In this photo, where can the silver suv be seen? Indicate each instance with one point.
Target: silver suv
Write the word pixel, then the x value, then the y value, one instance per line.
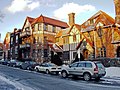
pixel 85 69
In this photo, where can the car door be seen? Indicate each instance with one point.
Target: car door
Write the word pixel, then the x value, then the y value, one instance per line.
pixel 42 67
pixel 72 68
pixel 80 69
pixel 88 67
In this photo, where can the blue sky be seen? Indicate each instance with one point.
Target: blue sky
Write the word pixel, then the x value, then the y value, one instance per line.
pixel 15 11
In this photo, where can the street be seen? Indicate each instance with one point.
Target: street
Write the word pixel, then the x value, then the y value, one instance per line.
pixel 17 79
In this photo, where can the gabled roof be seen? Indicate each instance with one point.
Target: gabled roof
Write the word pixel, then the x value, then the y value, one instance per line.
pixel 106 16
pixel 30 20
pixel 47 20
pixel 67 31
pixel 76 25
pixel 55 47
pixel 100 16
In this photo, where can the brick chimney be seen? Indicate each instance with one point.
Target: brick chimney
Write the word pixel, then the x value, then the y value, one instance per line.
pixel 117 10
pixel 71 19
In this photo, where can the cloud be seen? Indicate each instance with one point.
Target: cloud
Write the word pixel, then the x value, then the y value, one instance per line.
pixel 62 13
pixel 23 5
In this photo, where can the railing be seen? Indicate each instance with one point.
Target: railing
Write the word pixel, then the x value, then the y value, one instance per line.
pixel 25 34
pixel 26 45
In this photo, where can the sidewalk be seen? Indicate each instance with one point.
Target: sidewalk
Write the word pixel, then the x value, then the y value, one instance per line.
pixel 113 72
pixel 112 75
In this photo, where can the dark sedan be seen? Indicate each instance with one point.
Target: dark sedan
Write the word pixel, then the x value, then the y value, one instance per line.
pixel 3 62
pixel 29 65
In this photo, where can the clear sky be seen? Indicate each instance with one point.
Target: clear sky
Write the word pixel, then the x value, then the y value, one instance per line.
pixel 16 11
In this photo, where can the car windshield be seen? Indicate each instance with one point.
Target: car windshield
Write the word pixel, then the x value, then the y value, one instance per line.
pixel 99 65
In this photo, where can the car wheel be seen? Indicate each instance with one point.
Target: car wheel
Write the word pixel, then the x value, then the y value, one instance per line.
pixel 47 71
pixel 28 68
pixel 13 65
pixel 36 70
pixel 64 74
pixel 87 76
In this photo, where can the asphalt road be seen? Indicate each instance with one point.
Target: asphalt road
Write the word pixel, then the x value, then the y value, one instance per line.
pixel 17 79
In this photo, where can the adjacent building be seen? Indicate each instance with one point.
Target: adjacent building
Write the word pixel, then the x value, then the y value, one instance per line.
pixel 6 47
pixel 15 41
pixel 116 30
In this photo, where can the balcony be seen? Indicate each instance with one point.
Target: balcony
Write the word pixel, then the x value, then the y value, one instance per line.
pixel 26 45
pixel 25 34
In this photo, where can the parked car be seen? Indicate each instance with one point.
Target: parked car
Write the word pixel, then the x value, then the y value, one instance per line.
pixel 18 64
pixel 48 68
pixel 29 65
pixel 3 62
pixel 12 63
pixel 85 69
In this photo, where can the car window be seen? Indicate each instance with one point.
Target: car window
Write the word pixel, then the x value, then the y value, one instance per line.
pixel 44 65
pixel 50 65
pixel 74 65
pixel 88 65
pixel 99 65
pixel 81 65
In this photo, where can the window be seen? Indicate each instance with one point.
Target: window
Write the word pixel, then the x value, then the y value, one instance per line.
pixel 91 21
pixel 36 27
pixel 66 55
pixel 45 53
pixel 16 50
pixel 88 65
pixel 74 54
pixel 53 29
pixel 74 65
pixel 81 65
pixel 16 38
pixel 45 27
pixel 39 26
pixel 11 40
pixel 66 40
pixel 57 39
pixel 27 29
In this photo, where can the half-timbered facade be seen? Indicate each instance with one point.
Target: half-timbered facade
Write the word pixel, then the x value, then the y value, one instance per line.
pixel 97 33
